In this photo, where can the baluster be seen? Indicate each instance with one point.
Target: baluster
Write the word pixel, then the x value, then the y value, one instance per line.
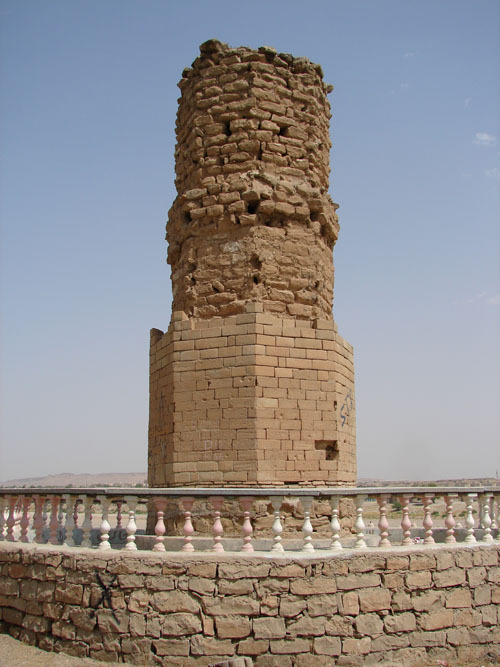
pixel 160 504
pixel 60 522
pixel 3 505
pixel 87 521
pixel 405 520
pixel 307 529
pixel 38 520
pixel 383 524
pixel 469 519
pixel 11 519
pixel 119 504
pixel 71 512
pixel 246 504
pixel 187 505
pixel 131 525
pixel 496 514
pixel 217 527
pixel 276 502
pixel 427 501
pixel 335 523
pixel 25 519
pixel 54 519
pixel 449 522
pixel 105 527
pixel 485 517
pixel 359 524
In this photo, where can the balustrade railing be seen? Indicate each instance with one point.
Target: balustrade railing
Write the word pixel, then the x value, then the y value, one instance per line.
pixel 106 518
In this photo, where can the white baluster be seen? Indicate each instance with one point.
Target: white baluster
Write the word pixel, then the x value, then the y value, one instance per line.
pixel 359 524
pixel 276 502
pixel 131 525
pixel 25 519
pixel 246 504
pixel 160 504
pixel 217 527
pixel 485 517
pixel 496 514
pixel 11 519
pixel 3 506
pixel 468 499
pixel 405 520
pixel 38 520
pixel 307 529
pixel 105 527
pixel 449 522
pixel 54 519
pixel 87 521
pixel 383 524
pixel 71 510
pixel 187 505
pixel 427 501
pixel 335 523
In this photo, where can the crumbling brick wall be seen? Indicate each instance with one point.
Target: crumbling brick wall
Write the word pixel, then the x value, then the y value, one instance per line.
pixel 252 384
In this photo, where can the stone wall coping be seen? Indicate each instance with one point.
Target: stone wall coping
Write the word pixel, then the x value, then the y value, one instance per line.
pixel 319 555
pixel 316 492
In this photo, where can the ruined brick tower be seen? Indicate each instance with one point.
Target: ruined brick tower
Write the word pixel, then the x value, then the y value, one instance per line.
pixel 251 384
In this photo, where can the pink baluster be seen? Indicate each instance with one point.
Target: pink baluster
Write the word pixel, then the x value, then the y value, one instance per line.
pixel 25 519
pixel 38 519
pixel 54 519
pixel 246 504
pixel 427 500
pixel 187 505
pixel 405 521
pixel 11 519
pixel 449 522
pixel 383 524
pixel 217 527
pixel 160 504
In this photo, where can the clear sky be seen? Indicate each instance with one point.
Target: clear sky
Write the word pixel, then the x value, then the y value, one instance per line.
pixel 87 113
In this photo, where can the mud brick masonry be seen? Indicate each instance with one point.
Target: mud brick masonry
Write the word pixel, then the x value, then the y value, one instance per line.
pixel 251 384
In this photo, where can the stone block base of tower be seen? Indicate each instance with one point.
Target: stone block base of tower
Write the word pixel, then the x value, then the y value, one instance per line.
pixel 251 400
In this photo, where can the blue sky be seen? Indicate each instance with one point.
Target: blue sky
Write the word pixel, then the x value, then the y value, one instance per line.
pixel 87 112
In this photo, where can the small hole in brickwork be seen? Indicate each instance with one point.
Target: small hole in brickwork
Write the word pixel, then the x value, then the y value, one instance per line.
pixel 314 216
pixel 215 289
pixel 255 263
pixel 227 129
pixel 193 280
pixel 330 447
pixel 252 207
pixel 334 405
pixel 316 284
pixel 187 217
pixel 256 280
pixel 282 131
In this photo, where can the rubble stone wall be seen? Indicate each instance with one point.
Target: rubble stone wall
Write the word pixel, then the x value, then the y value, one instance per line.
pixel 252 220
pixel 357 609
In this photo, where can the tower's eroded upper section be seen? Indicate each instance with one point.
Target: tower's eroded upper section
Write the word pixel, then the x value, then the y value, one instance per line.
pixel 252 220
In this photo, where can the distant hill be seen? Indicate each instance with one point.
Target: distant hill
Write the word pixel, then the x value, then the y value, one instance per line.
pixel 81 479
pixel 471 481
